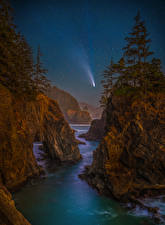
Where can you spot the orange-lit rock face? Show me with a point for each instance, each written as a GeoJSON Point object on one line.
{"type": "Point", "coordinates": [8, 212]}
{"type": "Point", "coordinates": [130, 159]}
{"type": "Point", "coordinates": [20, 124]}
{"type": "Point", "coordinates": [78, 116]}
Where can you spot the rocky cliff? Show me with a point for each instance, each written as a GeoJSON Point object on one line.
{"type": "Point", "coordinates": [96, 130]}
{"type": "Point", "coordinates": [21, 123]}
{"type": "Point", "coordinates": [95, 112]}
{"type": "Point", "coordinates": [9, 215]}
{"type": "Point", "coordinates": [69, 106]}
{"type": "Point", "coordinates": [129, 162]}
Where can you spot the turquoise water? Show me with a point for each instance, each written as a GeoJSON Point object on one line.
{"type": "Point", "coordinates": [63, 199]}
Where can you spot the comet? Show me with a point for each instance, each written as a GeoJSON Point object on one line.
{"type": "Point", "coordinates": [94, 85]}
{"type": "Point", "coordinates": [90, 75]}
{"type": "Point", "coordinates": [82, 59]}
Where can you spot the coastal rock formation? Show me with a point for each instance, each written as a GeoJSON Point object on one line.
{"type": "Point", "coordinates": [9, 215]}
{"type": "Point", "coordinates": [94, 111]}
{"type": "Point", "coordinates": [96, 130]}
{"type": "Point", "coordinates": [78, 116]}
{"type": "Point", "coordinates": [21, 123]}
{"type": "Point", "coordinates": [69, 106]}
{"type": "Point", "coordinates": [17, 162]}
{"type": "Point", "coordinates": [129, 162]}
{"type": "Point", "coordinates": [57, 136]}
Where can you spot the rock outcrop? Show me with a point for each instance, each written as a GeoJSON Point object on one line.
{"type": "Point", "coordinates": [78, 116]}
{"type": "Point", "coordinates": [57, 136]}
{"type": "Point", "coordinates": [17, 162]}
{"type": "Point", "coordinates": [22, 123]}
{"type": "Point", "coordinates": [69, 106]}
{"type": "Point", "coordinates": [130, 161]}
{"type": "Point", "coordinates": [95, 112]}
{"type": "Point", "coordinates": [9, 215]}
{"type": "Point", "coordinates": [96, 130]}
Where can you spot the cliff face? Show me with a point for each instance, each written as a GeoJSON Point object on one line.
{"type": "Point", "coordinates": [94, 111]}
{"type": "Point", "coordinates": [17, 162]}
{"type": "Point", "coordinates": [78, 116]}
{"type": "Point", "coordinates": [57, 136]}
{"type": "Point", "coordinates": [129, 162]}
{"type": "Point", "coordinates": [96, 130]}
{"type": "Point", "coordinates": [9, 215]}
{"type": "Point", "coordinates": [21, 123]}
{"type": "Point", "coordinates": [69, 106]}
{"type": "Point", "coordinates": [65, 100]}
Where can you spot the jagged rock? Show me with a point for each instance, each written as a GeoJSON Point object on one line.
{"type": "Point", "coordinates": [129, 162]}
{"type": "Point", "coordinates": [96, 130]}
{"type": "Point", "coordinates": [9, 215]}
{"type": "Point", "coordinates": [20, 124]}
{"type": "Point", "coordinates": [57, 136]}
{"type": "Point", "coordinates": [94, 111]}
{"type": "Point", "coordinates": [78, 116]}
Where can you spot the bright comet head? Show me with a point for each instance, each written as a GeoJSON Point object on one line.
{"type": "Point", "coordinates": [93, 84]}
{"type": "Point", "coordinates": [91, 77]}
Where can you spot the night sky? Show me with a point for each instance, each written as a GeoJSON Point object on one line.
{"type": "Point", "coordinates": [78, 37]}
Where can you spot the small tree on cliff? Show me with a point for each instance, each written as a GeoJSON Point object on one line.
{"type": "Point", "coordinates": [41, 82]}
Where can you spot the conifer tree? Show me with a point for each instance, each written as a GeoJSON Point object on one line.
{"type": "Point", "coordinates": [7, 44]}
{"type": "Point", "coordinates": [42, 83]}
{"type": "Point", "coordinates": [138, 43]}
{"type": "Point", "coordinates": [16, 60]}
{"type": "Point", "coordinates": [136, 73]}
{"type": "Point", "coordinates": [107, 83]}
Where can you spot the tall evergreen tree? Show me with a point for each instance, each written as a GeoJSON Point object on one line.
{"type": "Point", "coordinates": [16, 61]}
{"type": "Point", "coordinates": [42, 83]}
{"type": "Point", "coordinates": [135, 73]}
{"type": "Point", "coordinates": [107, 83]}
{"type": "Point", "coordinates": [7, 44]}
{"type": "Point", "coordinates": [138, 44]}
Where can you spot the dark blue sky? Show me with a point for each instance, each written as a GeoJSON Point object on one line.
{"type": "Point", "coordinates": [78, 37]}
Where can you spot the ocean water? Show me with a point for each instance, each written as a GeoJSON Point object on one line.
{"type": "Point", "coordinates": [63, 199]}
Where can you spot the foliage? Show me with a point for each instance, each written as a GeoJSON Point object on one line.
{"type": "Point", "coordinates": [136, 73]}
{"type": "Point", "coordinates": [42, 83]}
{"type": "Point", "coordinates": [17, 70]}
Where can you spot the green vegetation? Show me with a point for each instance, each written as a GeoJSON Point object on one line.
{"type": "Point", "coordinates": [136, 73]}
{"type": "Point", "coordinates": [18, 73]}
